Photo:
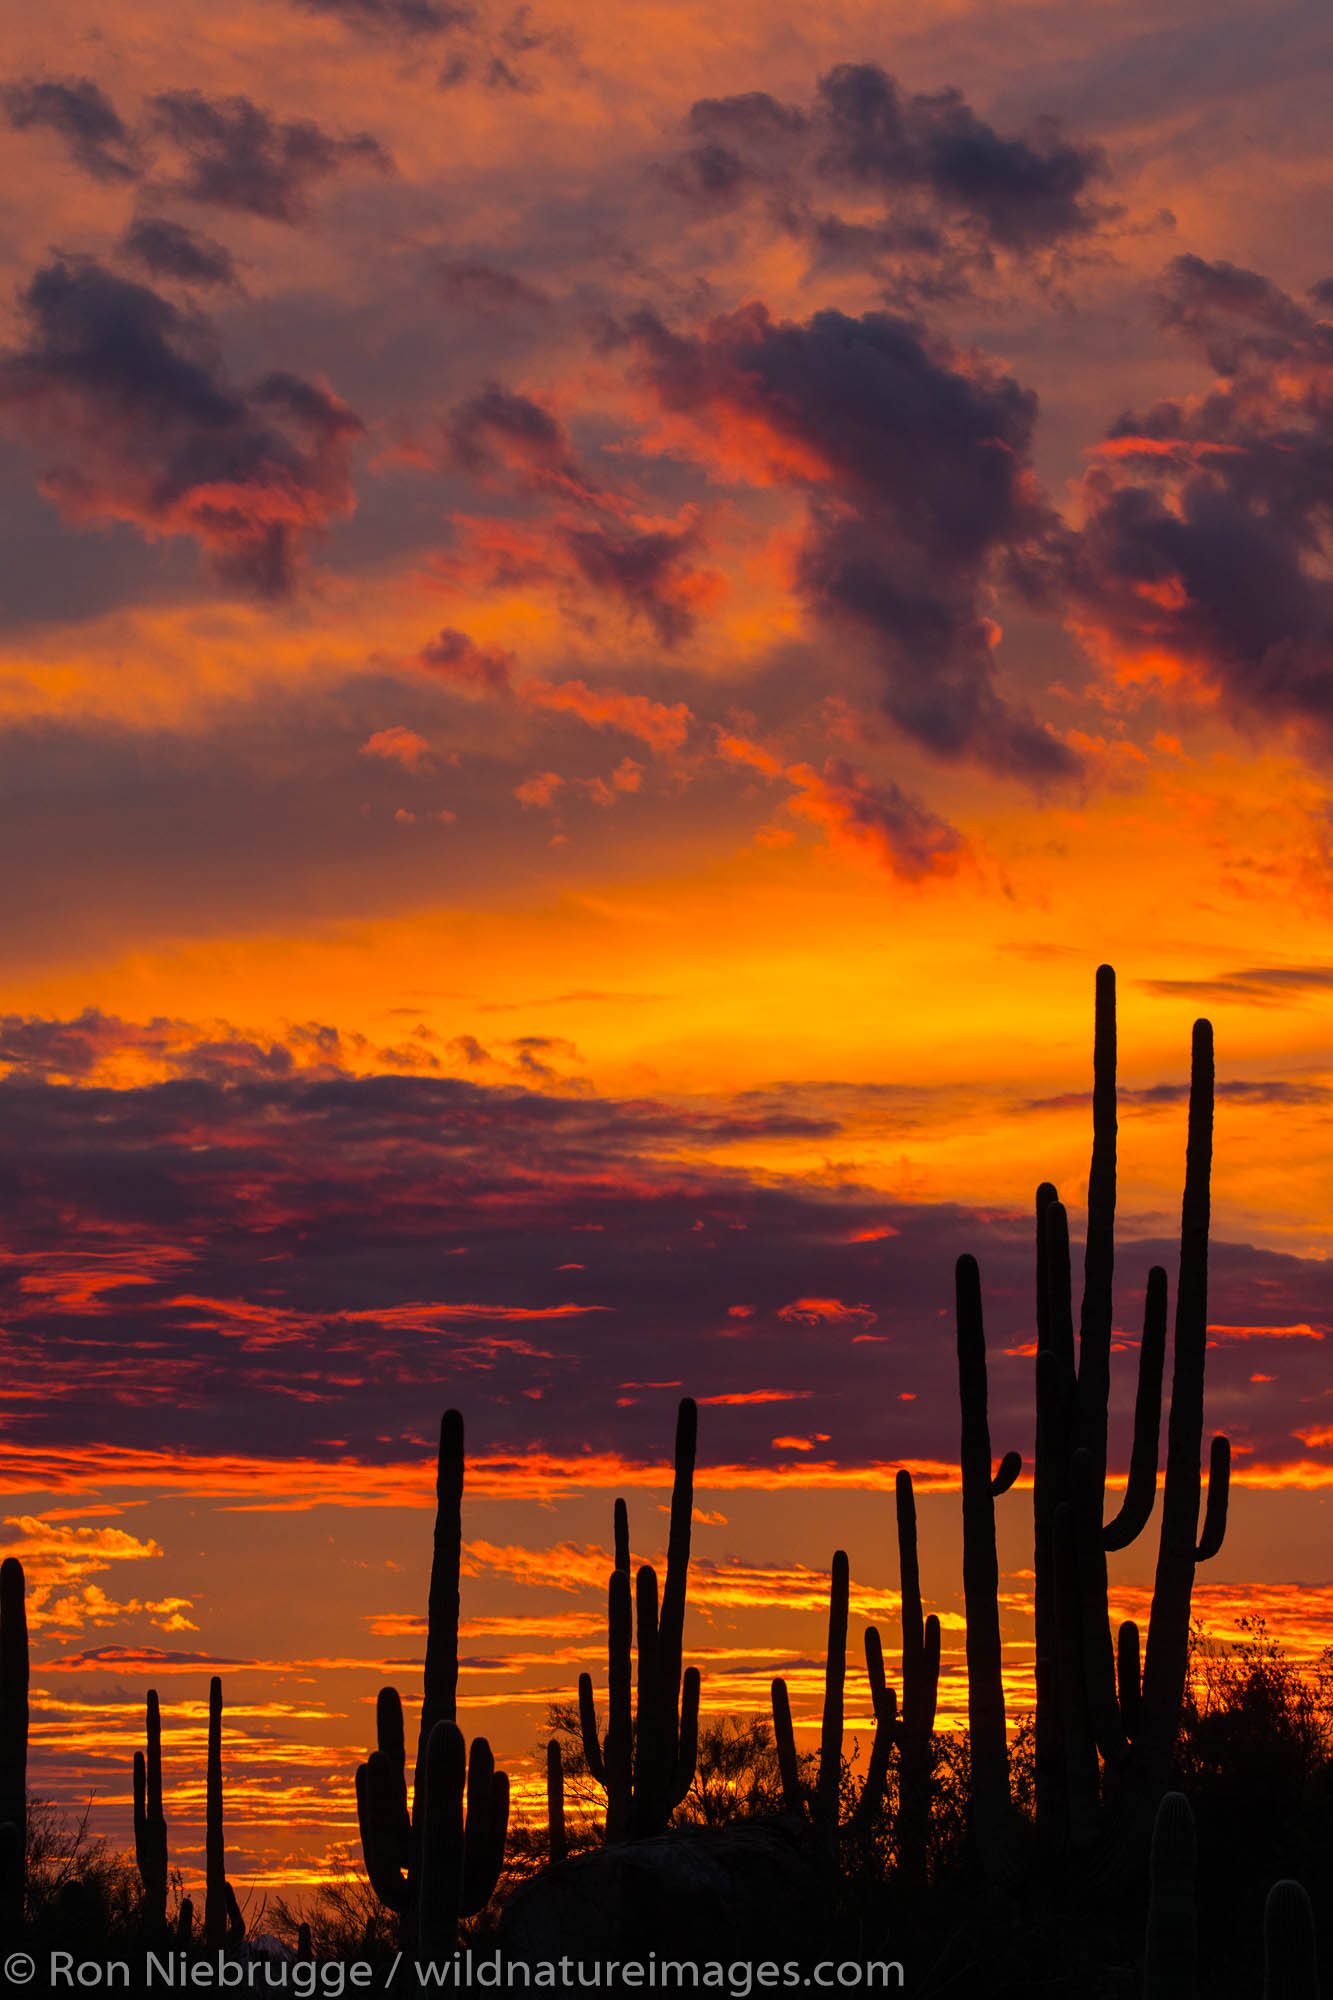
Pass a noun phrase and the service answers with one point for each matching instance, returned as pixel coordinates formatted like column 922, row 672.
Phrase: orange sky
column 606, row 610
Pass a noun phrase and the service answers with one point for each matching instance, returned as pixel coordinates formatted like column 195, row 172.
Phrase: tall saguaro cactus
column 991, row 1803
column 215, row 1860
column 646, row 1761
column 1091, row 1698
column 150, row 1825
column 13, row 1744
column 441, row 1861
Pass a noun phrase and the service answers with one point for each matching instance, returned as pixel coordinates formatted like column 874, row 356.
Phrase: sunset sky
column 605, row 611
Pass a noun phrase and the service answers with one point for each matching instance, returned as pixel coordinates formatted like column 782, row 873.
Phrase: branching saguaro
column 439, row 1862
column 907, row 1724
column 1104, row 1732
column 646, row 1760
column 13, row 1745
column 150, row 1825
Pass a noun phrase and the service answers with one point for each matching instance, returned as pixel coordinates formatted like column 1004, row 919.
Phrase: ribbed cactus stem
column 1172, row 1941
column 13, row 1742
column 439, row 1810
column 1291, row 1970
column 557, row 1846
column 440, row 1680
column 215, row 1860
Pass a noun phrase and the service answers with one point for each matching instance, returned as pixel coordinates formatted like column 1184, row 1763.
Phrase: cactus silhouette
column 992, row 1814
column 555, row 1802
column 216, row 1887
column 150, row 1826
column 906, row 1724
column 1290, row 1968
column 1104, row 1730
column 13, row 1744
column 1172, row 1941
column 439, row 1863
column 823, row 1808
column 646, row 1761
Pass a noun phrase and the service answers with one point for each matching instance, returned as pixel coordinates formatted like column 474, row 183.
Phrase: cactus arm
column 592, row 1749
column 1291, row 1971
column 785, row 1738
column 647, row 1803
column 1141, row 1486
column 622, row 1536
column 440, row 1826
column 687, row 1754
column 558, row 1846
column 1128, row 1678
column 383, row 1846
column 1215, row 1512
column 931, row 1674
column 1171, row 1945
column 884, row 1706
column 477, row 1854
column 1006, row 1473
column 981, row 1579
column 235, row 1920
column 1166, row 1659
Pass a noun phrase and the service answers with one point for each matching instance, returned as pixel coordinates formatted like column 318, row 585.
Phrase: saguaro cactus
column 555, row 1802
column 150, row 1825
column 434, row 1865
column 216, row 1911
column 13, row 1744
column 646, row 1762
column 1171, row 1946
column 1090, row 1697
column 907, row 1724
column 1291, row 1971
column 992, row 1817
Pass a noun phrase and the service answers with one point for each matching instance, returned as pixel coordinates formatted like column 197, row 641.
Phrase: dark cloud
column 306, row 1255
column 240, row 157
column 1254, row 985
column 1023, row 192
column 643, row 570
column 919, row 478
column 404, row 17
column 84, row 116
column 459, row 659
column 130, row 390
column 954, row 189
column 499, row 428
column 170, row 250
column 483, row 289
column 1207, row 517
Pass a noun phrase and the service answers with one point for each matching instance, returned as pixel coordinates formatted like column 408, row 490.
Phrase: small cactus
column 1291, row 1971
column 1172, row 1943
